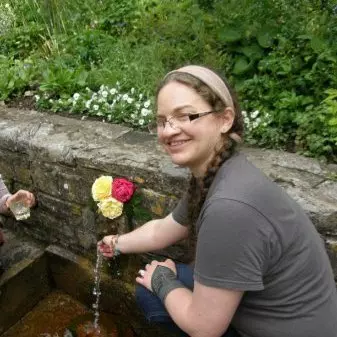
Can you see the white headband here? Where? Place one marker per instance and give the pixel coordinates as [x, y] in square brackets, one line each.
[211, 79]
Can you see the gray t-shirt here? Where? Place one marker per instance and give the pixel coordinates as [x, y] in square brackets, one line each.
[253, 237]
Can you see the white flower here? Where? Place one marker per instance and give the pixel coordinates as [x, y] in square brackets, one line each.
[144, 112]
[133, 116]
[140, 96]
[118, 84]
[113, 91]
[95, 107]
[141, 122]
[87, 89]
[129, 100]
[256, 123]
[246, 120]
[101, 88]
[50, 100]
[255, 113]
[37, 97]
[76, 96]
[147, 104]
[105, 94]
[125, 97]
[244, 113]
[87, 104]
[137, 105]
[132, 90]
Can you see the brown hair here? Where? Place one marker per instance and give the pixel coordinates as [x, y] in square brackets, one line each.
[198, 187]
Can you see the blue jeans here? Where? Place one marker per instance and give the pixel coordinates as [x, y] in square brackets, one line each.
[155, 311]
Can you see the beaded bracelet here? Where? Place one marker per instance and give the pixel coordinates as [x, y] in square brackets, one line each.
[113, 244]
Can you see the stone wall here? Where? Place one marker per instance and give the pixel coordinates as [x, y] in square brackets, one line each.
[59, 158]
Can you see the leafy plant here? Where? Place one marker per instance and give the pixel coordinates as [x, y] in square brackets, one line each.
[58, 78]
[317, 132]
[7, 18]
[16, 76]
[20, 43]
[135, 211]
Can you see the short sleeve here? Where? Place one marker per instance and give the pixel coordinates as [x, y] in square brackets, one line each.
[232, 247]
[180, 212]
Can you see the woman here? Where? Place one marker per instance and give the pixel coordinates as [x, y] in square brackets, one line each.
[260, 265]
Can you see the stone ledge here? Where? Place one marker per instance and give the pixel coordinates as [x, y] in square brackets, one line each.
[88, 144]
[60, 157]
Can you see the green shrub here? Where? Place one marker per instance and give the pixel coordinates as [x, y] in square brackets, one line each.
[7, 18]
[16, 76]
[21, 42]
[59, 78]
[280, 55]
[317, 131]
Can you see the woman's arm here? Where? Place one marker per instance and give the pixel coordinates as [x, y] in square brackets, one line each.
[153, 235]
[205, 312]
[6, 198]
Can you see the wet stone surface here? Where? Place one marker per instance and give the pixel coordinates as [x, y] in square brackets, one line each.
[59, 313]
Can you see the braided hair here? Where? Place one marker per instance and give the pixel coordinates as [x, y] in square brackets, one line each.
[198, 187]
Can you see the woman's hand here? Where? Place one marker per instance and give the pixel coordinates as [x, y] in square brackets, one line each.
[145, 275]
[24, 196]
[107, 245]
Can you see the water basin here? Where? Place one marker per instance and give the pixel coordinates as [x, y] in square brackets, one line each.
[48, 289]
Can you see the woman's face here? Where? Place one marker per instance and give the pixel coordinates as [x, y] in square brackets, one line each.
[193, 144]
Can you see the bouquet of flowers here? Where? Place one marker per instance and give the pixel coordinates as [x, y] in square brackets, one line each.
[111, 194]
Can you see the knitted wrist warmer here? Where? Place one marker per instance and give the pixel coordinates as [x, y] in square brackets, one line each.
[163, 281]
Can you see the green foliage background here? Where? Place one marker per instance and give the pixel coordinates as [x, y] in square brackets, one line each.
[280, 55]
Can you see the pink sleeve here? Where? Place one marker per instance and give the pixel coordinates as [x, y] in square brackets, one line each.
[4, 194]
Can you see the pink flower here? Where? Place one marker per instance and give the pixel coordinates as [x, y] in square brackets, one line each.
[122, 189]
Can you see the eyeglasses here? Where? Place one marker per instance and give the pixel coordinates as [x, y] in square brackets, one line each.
[177, 122]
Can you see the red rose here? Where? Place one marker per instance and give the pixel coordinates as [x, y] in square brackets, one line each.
[122, 189]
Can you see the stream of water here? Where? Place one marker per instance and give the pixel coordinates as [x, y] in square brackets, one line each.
[97, 291]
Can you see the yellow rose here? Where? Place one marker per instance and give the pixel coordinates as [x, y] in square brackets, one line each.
[110, 208]
[101, 188]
